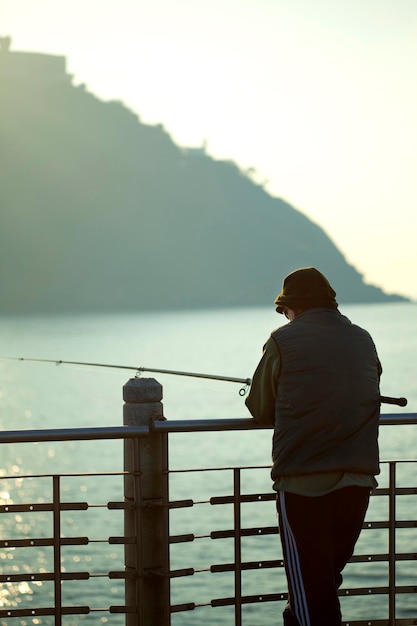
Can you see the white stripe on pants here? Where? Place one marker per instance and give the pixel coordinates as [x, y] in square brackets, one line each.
[293, 567]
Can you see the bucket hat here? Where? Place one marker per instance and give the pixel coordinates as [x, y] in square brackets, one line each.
[305, 288]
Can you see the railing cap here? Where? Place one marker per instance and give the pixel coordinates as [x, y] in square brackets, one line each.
[141, 390]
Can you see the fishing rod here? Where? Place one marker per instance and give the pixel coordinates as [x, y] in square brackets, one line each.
[245, 381]
[242, 391]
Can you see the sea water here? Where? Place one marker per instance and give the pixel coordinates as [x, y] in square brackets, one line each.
[219, 342]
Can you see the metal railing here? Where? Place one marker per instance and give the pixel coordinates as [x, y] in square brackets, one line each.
[144, 568]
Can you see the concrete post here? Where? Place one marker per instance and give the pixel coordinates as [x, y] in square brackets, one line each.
[146, 514]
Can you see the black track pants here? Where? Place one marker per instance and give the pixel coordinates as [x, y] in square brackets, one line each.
[318, 535]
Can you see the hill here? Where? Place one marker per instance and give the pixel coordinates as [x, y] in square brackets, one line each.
[100, 212]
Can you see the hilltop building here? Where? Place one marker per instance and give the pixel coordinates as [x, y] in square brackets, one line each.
[31, 66]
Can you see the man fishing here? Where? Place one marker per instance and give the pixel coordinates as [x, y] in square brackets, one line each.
[317, 385]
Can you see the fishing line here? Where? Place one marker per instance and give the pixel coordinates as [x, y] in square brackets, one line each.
[139, 370]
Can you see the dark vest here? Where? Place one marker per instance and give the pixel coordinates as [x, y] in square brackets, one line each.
[328, 398]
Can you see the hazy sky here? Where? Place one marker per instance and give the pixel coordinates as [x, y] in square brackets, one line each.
[318, 96]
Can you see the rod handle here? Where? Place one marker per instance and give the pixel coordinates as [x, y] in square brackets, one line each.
[390, 400]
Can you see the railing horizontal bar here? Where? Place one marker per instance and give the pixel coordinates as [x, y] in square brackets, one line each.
[181, 504]
[179, 608]
[394, 419]
[267, 497]
[399, 491]
[120, 506]
[248, 532]
[406, 589]
[282, 596]
[64, 475]
[245, 423]
[122, 540]
[125, 540]
[122, 609]
[30, 543]
[371, 558]
[178, 573]
[381, 622]
[72, 434]
[74, 541]
[11, 578]
[268, 597]
[147, 572]
[190, 470]
[230, 567]
[406, 556]
[258, 497]
[398, 524]
[206, 425]
[365, 558]
[32, 508]
[66, 610]
[182, 538]
[368, 591]
[253, 599]
[245, 532]
[368, 558]
[146, 504]
[372, 525]
[122, 574]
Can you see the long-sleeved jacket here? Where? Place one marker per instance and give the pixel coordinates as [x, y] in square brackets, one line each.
[317, 384]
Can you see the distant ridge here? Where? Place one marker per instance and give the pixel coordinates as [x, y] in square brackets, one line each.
[100, 212]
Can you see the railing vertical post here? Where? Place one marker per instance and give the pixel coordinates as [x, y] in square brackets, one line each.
[57, 550]
[238, 546]
[146, 515]
[392, 544]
